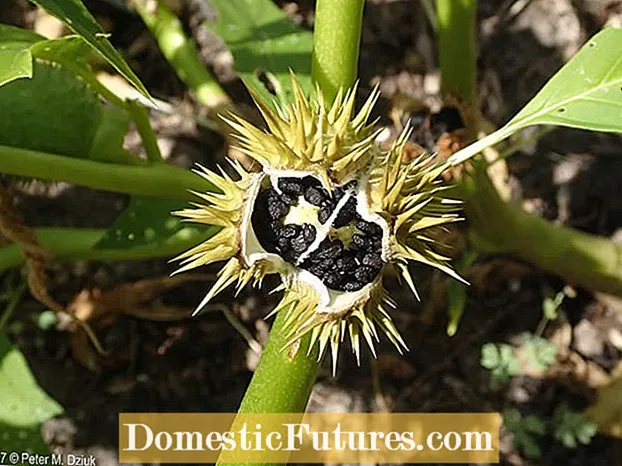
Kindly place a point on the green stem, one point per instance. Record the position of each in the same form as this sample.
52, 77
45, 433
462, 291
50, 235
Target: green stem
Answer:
582, 259
495, 226
148, 179
457, 46
336, 41
181, 52
140, 115
281, 383
71, 244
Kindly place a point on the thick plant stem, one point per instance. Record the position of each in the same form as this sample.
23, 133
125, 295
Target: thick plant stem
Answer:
457, 47
336, 42
582, 259
72, 244
495, 226
181, 52
282, 383
156, 179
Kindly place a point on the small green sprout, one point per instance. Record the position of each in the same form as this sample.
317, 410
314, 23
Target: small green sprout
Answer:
500, 360
539, 353
572, 428
524, 430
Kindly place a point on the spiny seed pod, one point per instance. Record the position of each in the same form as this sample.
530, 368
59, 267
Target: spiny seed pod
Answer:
329, 213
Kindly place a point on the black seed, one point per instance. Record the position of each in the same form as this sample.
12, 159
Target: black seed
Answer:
352, 286
332, 279
365, 226
372, 259
346, 214
360, 242
316, 270
375, 229
290, 230
327, 264
308, 181
291, 186
277, 209
324, 214
289, 256
365, 274
283, 244
329, 249
345, 263
338, 193
289, 200
314, 195
262, 224
299, 244
308, 232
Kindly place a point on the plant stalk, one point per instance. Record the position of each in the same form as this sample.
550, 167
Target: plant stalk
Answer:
494, 225
282, 384
336, 42
582, 259
67, 244
154, 179
181, 52
458, 47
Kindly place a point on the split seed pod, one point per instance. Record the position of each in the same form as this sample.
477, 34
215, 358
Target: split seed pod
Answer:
329, 213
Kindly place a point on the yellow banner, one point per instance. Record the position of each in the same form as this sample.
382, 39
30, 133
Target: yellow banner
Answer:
309, 438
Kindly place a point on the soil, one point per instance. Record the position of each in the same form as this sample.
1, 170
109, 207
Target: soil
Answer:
202, 364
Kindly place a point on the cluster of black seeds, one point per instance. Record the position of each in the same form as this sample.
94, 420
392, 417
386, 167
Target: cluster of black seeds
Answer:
289, 241
348, 269
317, 195
340, 268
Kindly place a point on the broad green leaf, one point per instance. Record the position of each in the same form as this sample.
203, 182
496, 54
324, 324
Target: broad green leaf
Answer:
586, 93
263, 39
149, 221
15, 54
68, 51
58, 113
18, 47
23, 404
77, 18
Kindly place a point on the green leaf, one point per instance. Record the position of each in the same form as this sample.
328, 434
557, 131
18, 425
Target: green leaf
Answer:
586, 93
18, 47
23, 405
540, 353
15, 55
67, 51
534, 425
76, 17
490, 356
147, 221
263, 39
572, 428
58, 113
